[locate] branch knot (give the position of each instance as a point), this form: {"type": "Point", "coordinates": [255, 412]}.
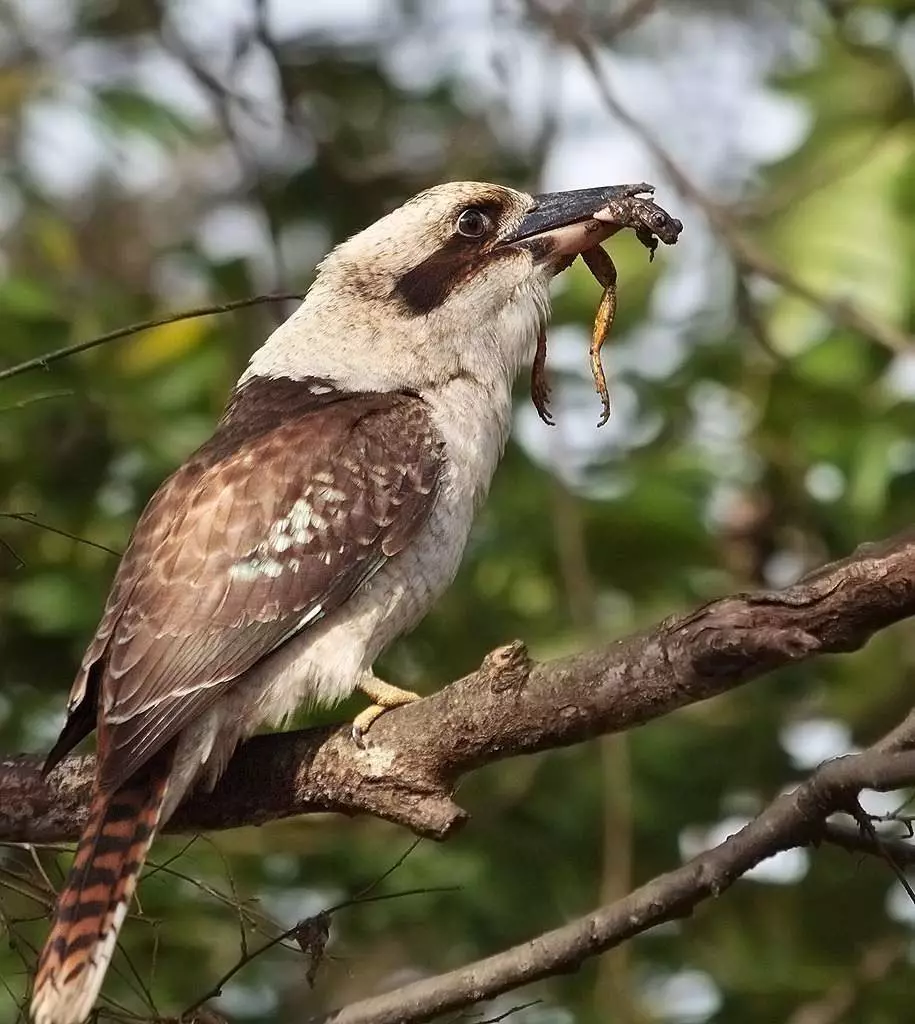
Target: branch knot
{"type": "Point", "coordinates": [506, 668]}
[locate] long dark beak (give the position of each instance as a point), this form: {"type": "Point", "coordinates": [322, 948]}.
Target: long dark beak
{"type": "Point", "coordinates": [563, 224]}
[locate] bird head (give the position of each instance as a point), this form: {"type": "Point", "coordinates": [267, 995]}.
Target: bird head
{"type": "Point", "coordinates": [453, 282]}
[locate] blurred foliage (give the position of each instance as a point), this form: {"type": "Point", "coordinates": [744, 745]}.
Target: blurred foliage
{"type": "Point", "coordinates": [162, 155]}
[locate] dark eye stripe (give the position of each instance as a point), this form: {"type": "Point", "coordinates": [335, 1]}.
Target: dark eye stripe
{"type": "Point", "coordinates": [429, 283]}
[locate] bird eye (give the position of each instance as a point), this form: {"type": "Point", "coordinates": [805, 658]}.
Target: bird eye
{"type": "Point", "coordinates": [472, 223]}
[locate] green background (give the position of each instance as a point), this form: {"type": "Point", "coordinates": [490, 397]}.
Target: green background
{"type": "Point", "coordinates": [752, 439]}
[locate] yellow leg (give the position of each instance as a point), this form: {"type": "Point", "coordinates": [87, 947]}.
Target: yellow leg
{"type": "Point", "coordinates": [384, 697]}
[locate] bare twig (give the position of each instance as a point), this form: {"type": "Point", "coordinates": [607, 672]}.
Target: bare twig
{"type": "Point", "coordinates": [608, 27]}
{"type": "Point", "coordinates": [789, 821]}
{"type": "Point", "coordinates": [45, 360]}
{"type": "Point", "coordinates": [856, 841]}
{"type": "Point", "coordinates": [880, 848]}
{"type": "Point", "coordinates": [750, 316]}
{"type": "Point", "coordinates": [500, 1017]}
{"type": "Point", "coordinates": [316, 923]}
{"type": "Point", "coordinates": [34, 399]}
{"type": "Point", "coordinates": [223, 99]}
{"type": "Point", "coordinates": [30, 519]}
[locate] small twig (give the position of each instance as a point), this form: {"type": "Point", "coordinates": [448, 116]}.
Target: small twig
{"type": "Point", "coordinates": [609, 27]}
{"type": "Point", "coordinates": [854, 841]}
{"type": "Point", "coordinates": [145, 990]}
{"type": "Point", "coordinates": [39, 867]}
{"type": "Point", "coordinates": [216, 990]}
{"type": "Point", "coordinates": [33, 399]}
{"type": "Point", "coordinates": [882, 849]}
{"type": "Point", "coordinates": [17, 558]}
{"type": "Point", "coordinates": [749, 315]}
{"type": "Point", "coordinates": [23, 886]}
{"type": "Point", "coordinates": [390, 871]}
{"type": "Point", "coordinates": [502, 1016]}
{"type": "Point", "coordinates": [43, 361]}
{"type": "Point", "coordinates": [31, 520]}
{"type": "Point", "coordinates": [154, 868]}
{"type": "Point", "coordinates": [230, 878]}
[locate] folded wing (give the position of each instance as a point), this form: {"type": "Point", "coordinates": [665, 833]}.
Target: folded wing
{"type": "Point", "coordinates": [270, 526]}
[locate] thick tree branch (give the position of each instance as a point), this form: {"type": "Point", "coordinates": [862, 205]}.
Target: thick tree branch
{"type": "Point", "coordinates": [506, 708]}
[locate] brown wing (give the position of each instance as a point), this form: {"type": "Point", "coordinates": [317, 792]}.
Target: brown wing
{"type": "Point", "coordinates": [240, 550]}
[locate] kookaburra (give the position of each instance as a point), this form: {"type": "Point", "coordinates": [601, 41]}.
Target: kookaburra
{"type": "Point", "coordinates": [322, 519]}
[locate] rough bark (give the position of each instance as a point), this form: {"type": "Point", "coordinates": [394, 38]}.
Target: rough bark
{"type": "Point", "coordinates": [508, 707]}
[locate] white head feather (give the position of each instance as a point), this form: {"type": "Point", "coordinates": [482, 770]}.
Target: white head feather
{"type": "Point", "coordinates": [409, 303]}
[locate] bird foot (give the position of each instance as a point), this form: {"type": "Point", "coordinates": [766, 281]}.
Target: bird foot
{"type": "Point", "coordinates": [385, 696]}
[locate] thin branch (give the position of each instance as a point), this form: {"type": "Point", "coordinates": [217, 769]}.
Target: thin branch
{"type": "Point", "coordinates": [373, 885]}
{"type": "Point", "coordinates": [880, 848]}
{"type": "Point", "coordinates": [223, 99]}
{"type": "Point", "coordinates": [609, 26]}
{"type": "Point", "coordinates": [317, 923]}
{"type": "Point", "coordinates": [853, 840]}
{"type": "Point", "coordinates": [750, 316]}
{"type": "Point", "coordinates": [10, 550]}
{"type": "Point", "coordinates": [789, 821]}
{"type": "Point", "coordinates": [31, 520]}
{"type": "Point", "coordinates": [502, 1016]}
{"type": "Point", "coordinates": [44, 361]}
{"type": "Point", "coordinates": [34, 399]}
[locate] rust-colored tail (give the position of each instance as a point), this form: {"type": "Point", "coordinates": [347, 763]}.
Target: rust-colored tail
{"type": "Point", "coordinates": [93, 903]}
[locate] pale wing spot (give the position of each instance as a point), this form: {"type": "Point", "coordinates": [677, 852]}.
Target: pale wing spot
{"type": "Point", "coordinates": [251, 568]}
{"type": "Point", "coordinates": [244, 571]}
{"type": "Point", "coordinates": [331, 494]}
{"type": "Point", "coordinates": [303, 516]}
{"type": "Point", "coordinates": [279, 540]}
{"type": "Point", "coordinates": [301, 524]}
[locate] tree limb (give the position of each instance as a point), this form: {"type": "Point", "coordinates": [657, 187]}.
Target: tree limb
{"type": "Point", "coordinates": [789, 821]}
{"type": "Point", "coordinates": [506, 708]}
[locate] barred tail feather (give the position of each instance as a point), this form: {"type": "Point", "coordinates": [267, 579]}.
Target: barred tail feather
{"type": "Point", "coordinates": [93, 903]}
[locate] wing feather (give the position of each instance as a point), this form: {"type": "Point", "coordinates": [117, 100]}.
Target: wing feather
{"type": "Point", "coordinates": [242, 548]}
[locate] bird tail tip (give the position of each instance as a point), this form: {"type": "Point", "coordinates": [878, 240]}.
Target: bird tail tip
{"type": "Point", "coordinates": [93, 903]}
